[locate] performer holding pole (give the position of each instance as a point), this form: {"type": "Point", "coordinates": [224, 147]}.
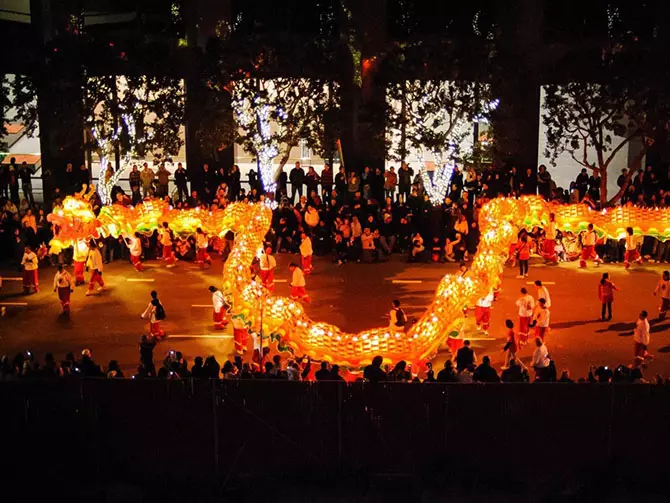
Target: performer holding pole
{"type": "Point", "coordinates": [268, 265]}
{"type": "Point", "coordinates": [30, 266]}
{"type": "Point", "coordinates": [165, 235]}
{"type": "Point", "coordinates": [80, 256]}
{"type": "Point", "coordinates": [202, 242]}
{"type": "Point", "coordinates": [632, 253]}
{"type": "Point", "coordinates": [64, 286]}
{"type": "Point", "coordinates": [589, 239]}
{"type": "Point", "coordinates": [134, 244]}
{"type": "Point", "coordinates": [220, 308]}
{"type": "Point", "coordinates": [298, 283]}
{"type": "Point", "coordinates": [95, 265]}
{"type": "Point", "coordinates": [549, 246]}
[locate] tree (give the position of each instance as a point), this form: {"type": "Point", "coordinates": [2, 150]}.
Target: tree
{"type": "Point", "coordinates": [274, 115]}
{"type": "Point", "coordinates": [24, 102]}
{"type": "Point", "coordinates": [436, 116]}
{"type": "Point", "coordinates": [593, 122]}
{"type": "Point", "coordinates": [5, 105]}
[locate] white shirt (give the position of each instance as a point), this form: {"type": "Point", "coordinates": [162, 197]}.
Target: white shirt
{"type": "Point", "coordinates": [135, 246]}
{"type": "Point", "coordinates": [540, 357]}
{"type": "Point", "coordinates": [218, 301]}
{"type": "Point", "coordinates": [166, 240]}
{"type": "Point", "coordinates": [95, 260]}
{"type": "Point", "coordinates": [589, 238]}
{"type": "Point", "coordinates": [201, 240]}
{"type": "Point", "coordinates": [306, 247]}
{"type": "Point", "coordinates": [62, 280]}
{"type": "Point", "coordinates": [150, 313]}
{"type": "Point", "coordinates": [526, 304]}
{"type": "Point", "coordinates": [267, 262]}
{"type": "Point", "coordinates": [641, 333]}
{"type": "Point", "coordinates": [80, 250]}
{"type": "Point", "coordinates": [486, 301]}
{"type": "Point", "coordinates": [29, 261]}
{"type": "Point", "coordinates": [292, 374]}
{"type": "Point", "coordinates": [550, 230]}
{"type": "Point", "coordinates": [542, 317]}
{"type": "Point", "coordinates": [298, 278]}
{"type": "Point", "coordinates": [663, 288]}
{"type": "Point", "coordinates": [543, 293]}
{"type": "Point", "coordinates": [631, 243]}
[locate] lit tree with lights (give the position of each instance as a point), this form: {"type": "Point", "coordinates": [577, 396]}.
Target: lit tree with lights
{"type": "Point", "coordinates": [274, 115]}
{"type": "Point", "coordinates": [132, 115]}
{"type": "Point", "coordinates": [433, 115]}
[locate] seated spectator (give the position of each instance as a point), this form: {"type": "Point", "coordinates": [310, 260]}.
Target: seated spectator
{"type": "Point", "coordinates": [465, 357]}
{"type": "Point", "coordinates": [515, 372]}
{"type": "Point", "coordinates": [368, 246]}
{"type": "Point", "coordinates": [447, 374]}
{"type": "Point", "coordinates": [485, 372]}
{"type": "Point", "coordinates": [373, 373]}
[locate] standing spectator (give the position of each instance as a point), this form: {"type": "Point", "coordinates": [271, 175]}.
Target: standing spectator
{"type": "Point", "coordinates": [594, 186]}
{"type": "Point", "coordinates": [147, 177]}
{"type": "Point", "coordinates": [181, 181]}
{"type": "Point", "coordinates": [544, 182]}
{"type": "Point", "coordinates": [13, 177]}
{"type": "Point", "coordinates": [134, 179]}
{"type": "Point", "coordinates": [540, 361]}
{"type": "Point", "coordinates": [511, 346]}
{"type": "Point", "coordinates": [523, 254]}
{"type": "Point", "coordinates": [282, 183]}
{"type": "Point", "coordinates": [163, 177]}
{"type": "Point", "coordinates": [26, 173]}
{"type": "Point", "coordinates": [235, 183]}
{"type": "Point", "coordinates": [606, 295]}
{"type": "Point", "coordinates": [84, 177]}
{"type": "Point", "coordinates": [641, 339]}
{"type": "Point", "coordinates": [326, 181]}
{"type": "Point", "coordinates": [663, 288]}
{"type": "Point", "coordinates": [312, 181]}
{"type": "Point", "coordinates": [405, 174]}
{"type": "Point", "coordinates": [297, 178]}
{"type": "Point", "coordinates": [528, 185]}
{"type": "Point", "coordinates": [323, 374]}
{"type": "Point", "coordinates": [368, 246]}
{"type": "Point", "coordinates": [4, 178]}
{"type": "Point", "coordinates": [390, 182]}
{"type": "Point", "coordinates": [341, 183]}
{"type": "Point", "coordinates": [623, 181]}
{"type": "Point", "coordinates": [465, 357]}
{"type": "Point", "coordinates": [582, 183]}
{"type": "Point", "coordinates": [147, 345]}
{"type": "Point", "coordinates": [353, 186]}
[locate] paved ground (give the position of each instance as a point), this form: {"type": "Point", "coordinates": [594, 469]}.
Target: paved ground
{"type": "Point", "coordinates": [353, 296]}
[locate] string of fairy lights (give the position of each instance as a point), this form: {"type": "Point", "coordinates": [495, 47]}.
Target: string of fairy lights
{"type": "Point", "coordinates": [437, 188]}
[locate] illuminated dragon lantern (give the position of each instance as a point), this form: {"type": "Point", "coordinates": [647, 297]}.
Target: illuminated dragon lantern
{"type": "Point", "coordinates": [286, 321]}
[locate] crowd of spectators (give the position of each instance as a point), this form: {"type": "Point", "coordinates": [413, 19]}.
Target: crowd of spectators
{"type": "Point", "coordinates": [464, 368]}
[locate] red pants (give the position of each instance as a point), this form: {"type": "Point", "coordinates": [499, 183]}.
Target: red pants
{"type": "Point", "coordinates": [220, 320]}
{"type": "Point", "coordinates": [483, 317]}
{"type": "Point", "coordinates": [549, 250]}
{"type": "Point", "coordinates": [631, 256]}
{"type": "Point", "coordinates": [454, 344]}
{"type": "Point", "coordinates": [137, 263]}
{"type": "Point", "coordinates": [168, 255]}
{"type": "Point", "coordinates": [64, 297]}
{"type": "Point", "coordinates": [587, 253]}
{"type": "Point", "coordinates": [307, 264]}
{"type": "Point", "coordinates": [268, 279]}
{"type": "Point", "coordinates": [298, 292]}
{"type": "Point", "coordinates": [203, 257]}
{"type": "Point", "coordinates": [524, 327]}
{"type": "Point", "coordinates": [96, 277]}
{"type": "Point", "coordinates": [241, 337]}
{"type": "Point", "coordinates": [541, 332]}
{"type": "Point", "coordinates": [30, 279]}
{"type": "Point", "coordinates": [79, 273]}
{"type": "Point", "coordinates": [155, 329]}
{"type": "Point", "coordinates": [640, 350]}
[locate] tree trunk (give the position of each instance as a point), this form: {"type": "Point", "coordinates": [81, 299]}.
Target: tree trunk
{"type": "Point", "coordinates": [403, 123]}
{"type": "Point", "coordinates": [631, 172]}
{"type": "Point", "coordinates": [603, 187]}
